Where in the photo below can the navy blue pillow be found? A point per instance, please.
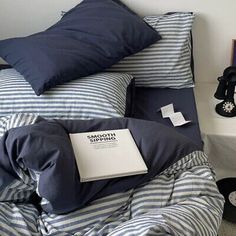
(89, 38)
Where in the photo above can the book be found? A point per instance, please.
(106, 154)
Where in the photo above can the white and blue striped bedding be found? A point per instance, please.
(182, 200)
(166, 63)
(100, 95)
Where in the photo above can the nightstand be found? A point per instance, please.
(218, 133)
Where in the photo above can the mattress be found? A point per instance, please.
(149, 100)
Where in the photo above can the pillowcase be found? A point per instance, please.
(166, 63)
(102, 95)
(89, 38)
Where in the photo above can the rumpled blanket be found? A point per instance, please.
(177, 197)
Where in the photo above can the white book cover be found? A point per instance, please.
(106, 154)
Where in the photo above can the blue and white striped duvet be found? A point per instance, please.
(182, 200)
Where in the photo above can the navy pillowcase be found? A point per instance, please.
(89, 38)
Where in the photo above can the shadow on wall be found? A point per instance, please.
(203, 50)
(211, 54)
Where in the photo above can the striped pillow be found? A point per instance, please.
(102, 95)
(166, 63)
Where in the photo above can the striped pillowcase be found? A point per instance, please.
(167, 63)
(102, 95)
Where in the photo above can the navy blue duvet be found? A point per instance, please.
(44, 149)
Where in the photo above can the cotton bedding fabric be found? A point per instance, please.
(182, 200)
(102, 95)
(168, 63)
(89, 38)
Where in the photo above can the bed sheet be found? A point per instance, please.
(149, 100)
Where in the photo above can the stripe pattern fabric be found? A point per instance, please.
(182, 200)
(16, 120)
(166, 63)
(102, 95)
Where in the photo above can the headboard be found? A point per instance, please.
(212, 34)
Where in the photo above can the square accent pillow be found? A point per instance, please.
(168, 62)
(88, 39)
(102, 95)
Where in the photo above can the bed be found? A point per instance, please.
(39, 195)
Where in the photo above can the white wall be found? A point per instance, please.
(213, 28)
